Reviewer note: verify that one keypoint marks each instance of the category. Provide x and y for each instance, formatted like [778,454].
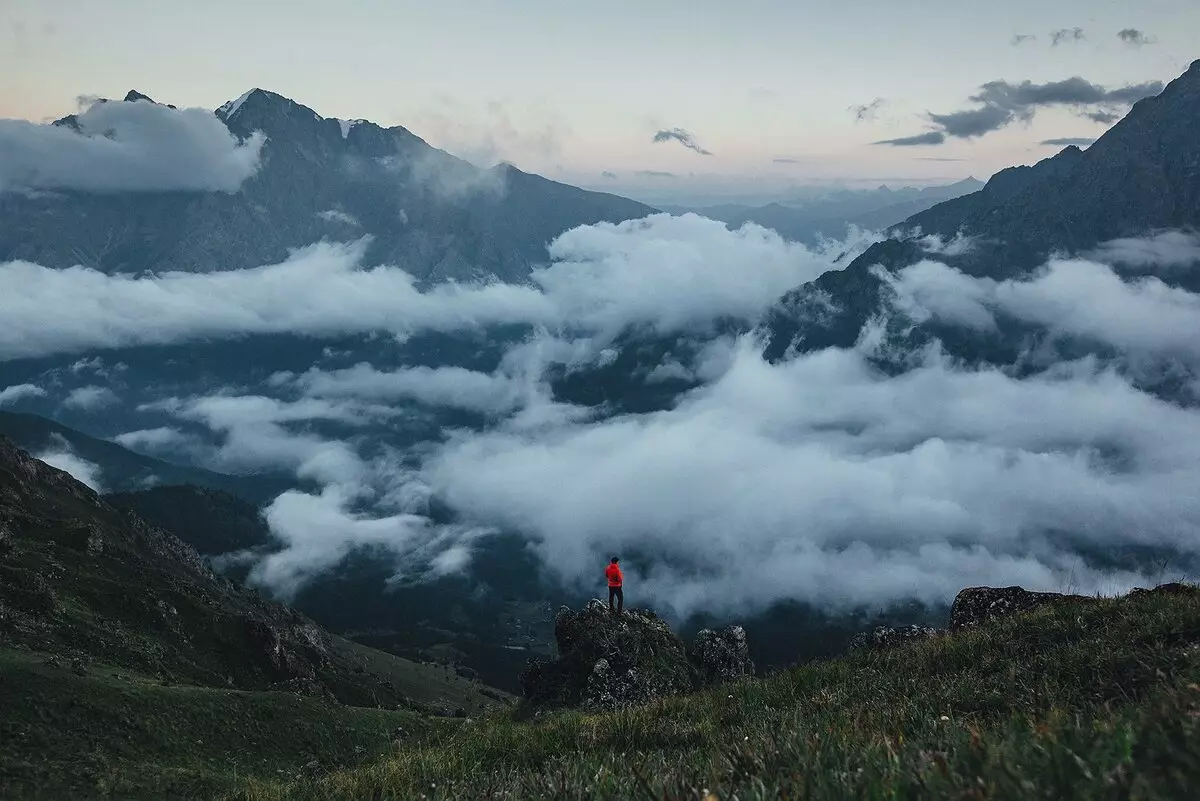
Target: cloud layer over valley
[822,478]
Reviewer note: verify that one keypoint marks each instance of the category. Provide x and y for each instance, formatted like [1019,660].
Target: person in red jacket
[615,582]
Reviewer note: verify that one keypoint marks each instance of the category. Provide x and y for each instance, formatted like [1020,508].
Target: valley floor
[1099,700]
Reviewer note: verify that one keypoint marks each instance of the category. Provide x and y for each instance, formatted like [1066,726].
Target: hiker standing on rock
[615,582]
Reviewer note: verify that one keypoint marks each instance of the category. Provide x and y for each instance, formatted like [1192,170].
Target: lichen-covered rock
[976,605]
[891,636]
[720,656]
[608,661]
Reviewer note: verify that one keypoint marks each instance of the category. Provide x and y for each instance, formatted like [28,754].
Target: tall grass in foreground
[1100,701]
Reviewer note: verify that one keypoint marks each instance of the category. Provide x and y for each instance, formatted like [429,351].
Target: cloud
[156,440]
[866,112]
[1066,141]
[128,147]
[609,174]
[91,398]
[447,387]
[1167,249]
[602,277]
[784,160]
[335,216]
[655,174]
[1022,38]
[60,455]
[683,137]
[927,138]
[1069,297]
[1067,35]
[821,478]
[1002,103]
[20,392]
[1134,38]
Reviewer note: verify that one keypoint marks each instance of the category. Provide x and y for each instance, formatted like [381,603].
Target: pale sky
[574,90]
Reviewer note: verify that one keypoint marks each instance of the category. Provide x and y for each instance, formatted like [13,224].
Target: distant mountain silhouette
[437,216]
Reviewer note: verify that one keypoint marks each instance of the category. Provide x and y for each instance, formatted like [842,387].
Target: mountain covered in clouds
[296,179]
[1141,179]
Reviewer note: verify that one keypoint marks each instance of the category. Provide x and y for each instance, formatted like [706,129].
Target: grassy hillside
[1093,701]
[110,732]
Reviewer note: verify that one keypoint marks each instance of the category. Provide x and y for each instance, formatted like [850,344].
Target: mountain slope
[122,469]
[1140,177]
[437,216]
[83,580]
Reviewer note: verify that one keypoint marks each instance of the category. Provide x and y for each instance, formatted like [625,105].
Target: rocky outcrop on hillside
[609,661]
[975,606]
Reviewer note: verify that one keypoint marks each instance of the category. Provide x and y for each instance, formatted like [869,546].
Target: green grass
[114,733]
[1099,701]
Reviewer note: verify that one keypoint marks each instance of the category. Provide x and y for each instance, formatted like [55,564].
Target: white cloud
[121,147]
[335,216]
[1167,249]
[91,398]
[1071,297]
[453,387]
[822,480]
[665,272]
[61,456]
[20,392]
[162,439]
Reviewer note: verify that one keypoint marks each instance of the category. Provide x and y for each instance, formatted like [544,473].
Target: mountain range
[437,216]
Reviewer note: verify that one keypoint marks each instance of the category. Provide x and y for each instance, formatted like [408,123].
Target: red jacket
[613,574]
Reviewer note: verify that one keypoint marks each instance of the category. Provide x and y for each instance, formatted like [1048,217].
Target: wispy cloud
[927,138]
[1022,38]
[867,111]
[1135,38]
[683,137]
[1066,36]
[1066,141]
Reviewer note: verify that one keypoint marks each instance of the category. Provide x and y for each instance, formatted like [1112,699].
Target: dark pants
[619,594]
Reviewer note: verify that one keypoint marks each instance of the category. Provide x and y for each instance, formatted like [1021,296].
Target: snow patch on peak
[347,125]
[227,110]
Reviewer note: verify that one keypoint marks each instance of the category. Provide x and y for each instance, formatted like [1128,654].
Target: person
[615,585]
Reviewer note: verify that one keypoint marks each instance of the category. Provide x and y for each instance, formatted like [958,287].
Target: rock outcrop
[609,661]
[720,656]
[890,636]
[976,605]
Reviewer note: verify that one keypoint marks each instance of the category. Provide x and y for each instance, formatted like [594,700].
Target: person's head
[615,560]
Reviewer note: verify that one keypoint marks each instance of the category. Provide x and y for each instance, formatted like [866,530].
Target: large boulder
[976,605]
[609,661]
[720,656]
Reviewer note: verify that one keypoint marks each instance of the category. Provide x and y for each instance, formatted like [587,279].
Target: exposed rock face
[889,636]
[720,656]
[976,605]
[609,661]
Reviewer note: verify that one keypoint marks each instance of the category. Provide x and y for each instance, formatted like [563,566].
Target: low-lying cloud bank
[821,478]
[127,147]
[664,272]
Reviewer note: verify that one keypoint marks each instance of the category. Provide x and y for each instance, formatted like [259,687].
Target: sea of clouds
[820,478]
